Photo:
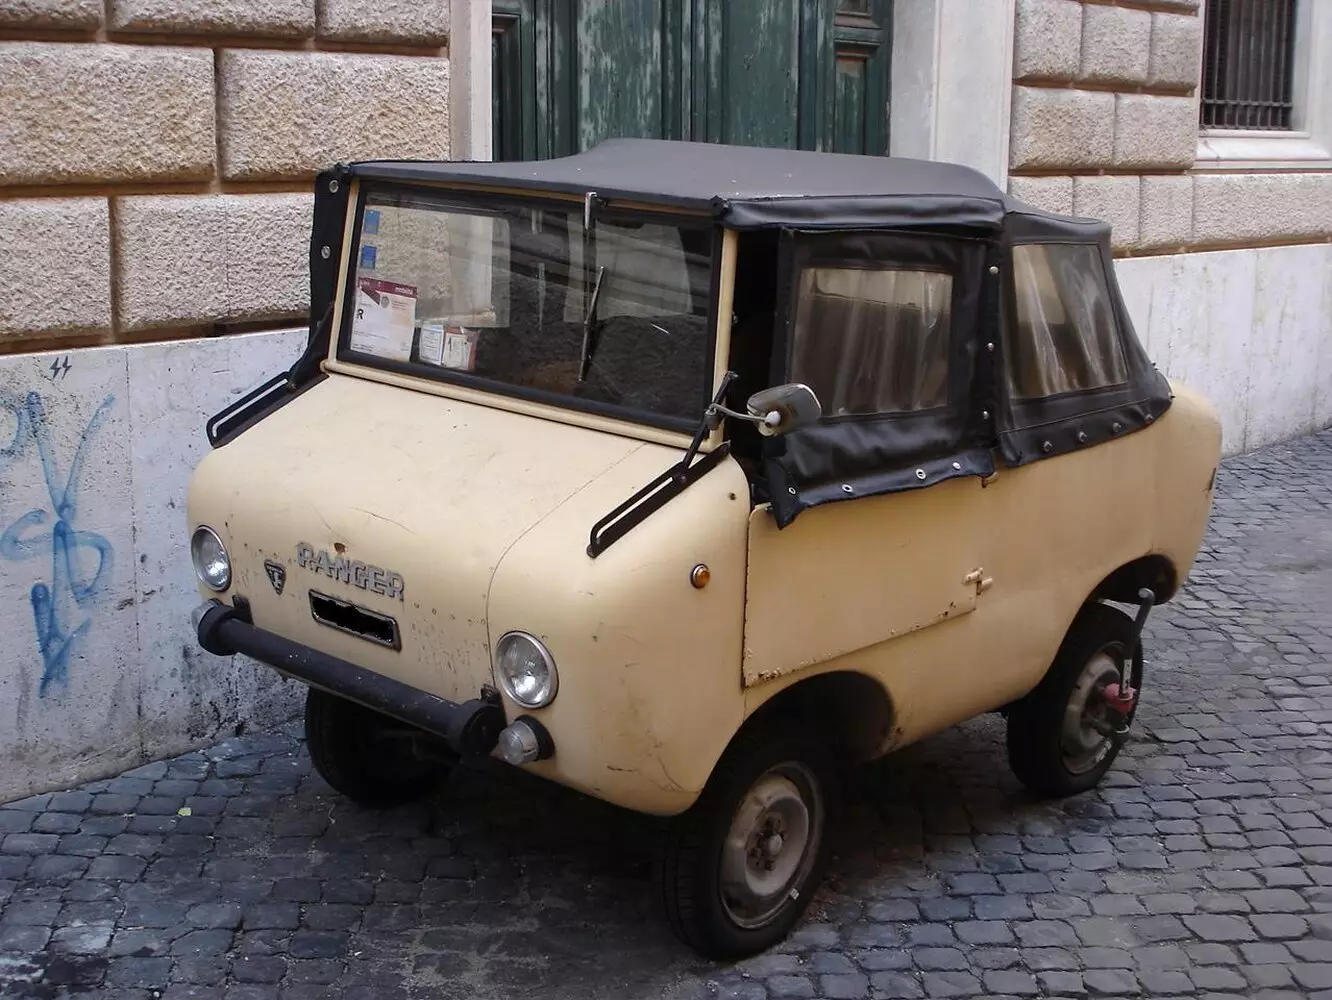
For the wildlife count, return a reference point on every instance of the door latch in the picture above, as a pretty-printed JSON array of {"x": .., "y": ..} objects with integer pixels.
[{"x": 979, "y": 580}]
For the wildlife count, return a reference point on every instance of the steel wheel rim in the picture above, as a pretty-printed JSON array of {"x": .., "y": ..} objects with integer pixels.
[
  {"x": 1082, "y": 739},
  {"x": 771, "y": 845}
]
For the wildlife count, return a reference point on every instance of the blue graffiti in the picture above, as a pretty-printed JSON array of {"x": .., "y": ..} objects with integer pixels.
[{"x": 24, "y": 540}]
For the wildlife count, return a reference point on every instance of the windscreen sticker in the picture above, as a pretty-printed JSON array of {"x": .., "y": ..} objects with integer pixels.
[
  {"x": 385, "y": 319},
  {"x": 448, "y": 346},
  {"x": 370, "y": 223},
  {"x": 460, "y": 348},
  {"x": 368, "y": 254},
  {"x": 432, "y": 343}
]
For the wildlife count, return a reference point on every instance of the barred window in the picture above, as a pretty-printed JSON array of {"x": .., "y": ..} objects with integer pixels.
[{"x": 1248, "y": 64}]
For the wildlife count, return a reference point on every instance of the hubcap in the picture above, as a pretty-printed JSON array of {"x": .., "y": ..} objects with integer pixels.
[
  {"x": 1085, "y": 738},
  {"x": 771, "y": 845}
]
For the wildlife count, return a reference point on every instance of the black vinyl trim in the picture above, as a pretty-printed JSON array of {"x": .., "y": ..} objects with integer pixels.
[
  {"x": 990, "y": 355},
  {"x": 855, "y": 455},
  {"x": 1033, "y": 429},
  {"x": 977, "y": 463},
  {"x": 860, "y": 212},
  {"x": 226, "y": 425},
  {"x": 326, "y": 231}
]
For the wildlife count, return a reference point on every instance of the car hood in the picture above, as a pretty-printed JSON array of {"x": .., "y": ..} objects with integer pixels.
[{"x": 401, "y": 502}]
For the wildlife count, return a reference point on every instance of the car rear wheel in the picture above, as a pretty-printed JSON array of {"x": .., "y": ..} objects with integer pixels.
[
  {"x": 1064, "y": 736},
  {"x": 740, "y": 867},
  {"x": 372, "y": 759}
]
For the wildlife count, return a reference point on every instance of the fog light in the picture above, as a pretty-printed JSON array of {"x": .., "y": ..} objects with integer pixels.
[{"x": 523, "y": 741}]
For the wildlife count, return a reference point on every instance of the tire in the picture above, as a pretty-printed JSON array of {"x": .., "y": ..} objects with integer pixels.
[
  {"x": 693, "y": 864},
  {"x": 1048, "y": 753},
  {"x": 366, "y": 756}
]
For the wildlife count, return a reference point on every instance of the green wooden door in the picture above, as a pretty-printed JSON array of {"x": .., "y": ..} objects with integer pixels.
[{"x": 811, "y": 74}]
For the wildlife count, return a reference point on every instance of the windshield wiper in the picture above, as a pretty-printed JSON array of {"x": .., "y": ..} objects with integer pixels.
[
  {"x": 589, "y": 324},
  {"x": 666, "y": 487}
]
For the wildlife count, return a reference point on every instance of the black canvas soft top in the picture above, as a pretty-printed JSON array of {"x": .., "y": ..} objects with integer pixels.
[
  {"x": 749, "y": 187},
  {"x": 1025, "y": 223},
  {"x": 833, "y": 206}
]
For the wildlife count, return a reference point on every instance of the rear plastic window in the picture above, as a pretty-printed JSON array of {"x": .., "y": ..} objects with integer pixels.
[{"x": 1065, "y": 338}]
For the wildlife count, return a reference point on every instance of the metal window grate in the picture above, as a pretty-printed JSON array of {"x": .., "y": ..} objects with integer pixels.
[{"x": 1248, "y": 64}]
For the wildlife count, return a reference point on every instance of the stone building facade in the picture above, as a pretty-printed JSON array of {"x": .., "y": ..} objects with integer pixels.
[
  {"x": 155, "y": 164},
  {"x": 155, "y": 155},
  {"x": 1105, "y": 122}
]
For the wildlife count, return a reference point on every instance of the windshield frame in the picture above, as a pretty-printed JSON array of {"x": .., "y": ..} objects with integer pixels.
[{"x": 483, "y": 203}]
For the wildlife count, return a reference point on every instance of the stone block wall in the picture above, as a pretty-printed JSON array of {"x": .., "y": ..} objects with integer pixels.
[
  {"x": 156, "y": 155},
  {"x": 156, "y": 159},
  {"x": 1105, "y": 123}
]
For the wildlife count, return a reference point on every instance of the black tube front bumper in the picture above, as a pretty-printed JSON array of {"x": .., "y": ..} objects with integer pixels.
[{"x": 471, "y": 728}]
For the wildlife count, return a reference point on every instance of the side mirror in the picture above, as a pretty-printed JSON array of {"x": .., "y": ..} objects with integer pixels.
[{"x": 784, "y": 408}]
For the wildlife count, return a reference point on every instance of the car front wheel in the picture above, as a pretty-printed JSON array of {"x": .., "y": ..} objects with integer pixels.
[
  {"x": 740, "y": 867},
  {"x": 372, "y": 759}
]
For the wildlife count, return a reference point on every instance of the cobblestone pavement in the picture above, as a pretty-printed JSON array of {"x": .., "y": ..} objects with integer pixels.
[{"x": 1203, "y": 866}]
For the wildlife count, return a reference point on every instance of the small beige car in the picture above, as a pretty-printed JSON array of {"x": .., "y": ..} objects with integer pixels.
[{"x": 685, "y": 474}]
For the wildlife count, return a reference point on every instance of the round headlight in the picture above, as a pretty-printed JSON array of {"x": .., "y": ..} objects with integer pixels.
[
  {"x": 211, "y": 561},
  {"x": 525, "y": 670}
]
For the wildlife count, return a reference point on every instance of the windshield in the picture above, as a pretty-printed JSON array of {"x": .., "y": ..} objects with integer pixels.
[{"x": 522, "y": 300}]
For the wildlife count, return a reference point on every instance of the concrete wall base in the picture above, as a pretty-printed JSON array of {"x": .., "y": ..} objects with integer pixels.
[
  {"x": 1251, "y": 329},
  {"x": 99, "y": 670}
]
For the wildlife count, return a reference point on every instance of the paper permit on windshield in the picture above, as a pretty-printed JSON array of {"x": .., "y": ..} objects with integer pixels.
[
  {"x": 385, "y": 319},
  {"x": 449, "y": 345}
]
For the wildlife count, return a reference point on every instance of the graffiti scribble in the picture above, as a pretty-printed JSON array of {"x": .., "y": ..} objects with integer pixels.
[{"x": 22, "y": 540}]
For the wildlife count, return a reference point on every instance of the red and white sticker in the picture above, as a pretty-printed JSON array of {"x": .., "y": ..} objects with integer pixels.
[{"x": 384, "y": 320}]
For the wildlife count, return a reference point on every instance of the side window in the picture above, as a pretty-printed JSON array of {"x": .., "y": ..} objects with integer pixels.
[
  {"x": 873, "y": 341},
  {"x": 1066, "y": 339}
]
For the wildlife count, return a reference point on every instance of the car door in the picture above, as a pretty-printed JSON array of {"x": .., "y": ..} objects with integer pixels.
[
  {"x": 847, "y": 576},
  {"x": 890, "y": 503}
]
